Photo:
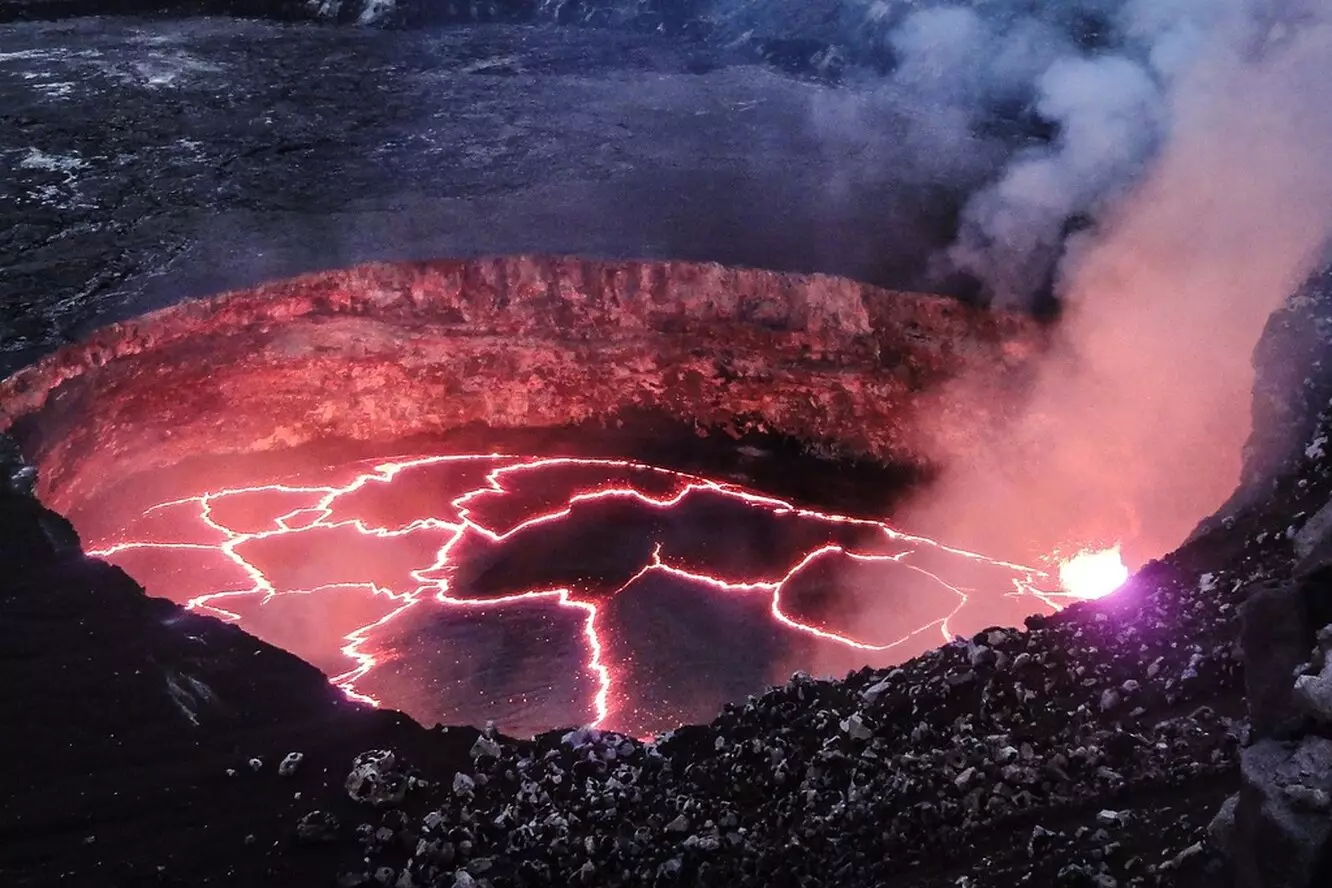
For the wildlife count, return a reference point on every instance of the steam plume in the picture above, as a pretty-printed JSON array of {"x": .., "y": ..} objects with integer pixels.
[{"x": 1196, "y": 164}]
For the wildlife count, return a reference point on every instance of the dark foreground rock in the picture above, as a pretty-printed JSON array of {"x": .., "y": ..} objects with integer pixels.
[
  {"x": 1280, "y": 824},
  {"x": 143, "y": 744}
]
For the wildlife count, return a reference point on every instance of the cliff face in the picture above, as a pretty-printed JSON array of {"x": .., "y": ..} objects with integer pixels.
[
  {"x": 1278, "y": 827},
  {"x": 382, "y": 352}
]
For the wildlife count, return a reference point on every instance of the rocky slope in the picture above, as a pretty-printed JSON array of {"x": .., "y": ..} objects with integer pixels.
[
  {"x": 381, "y": 353},
  {"x": 1280, "y": 824}
]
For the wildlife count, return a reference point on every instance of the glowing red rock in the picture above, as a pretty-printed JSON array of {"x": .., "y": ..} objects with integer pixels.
[{"x": 381, "y": 353}]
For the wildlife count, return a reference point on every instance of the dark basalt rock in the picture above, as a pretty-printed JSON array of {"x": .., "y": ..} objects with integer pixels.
[
  {"x": 35, "y": 536},
  {"x": 1275, "y": 637},
  {"x": 54, "y": 10},
  {"x": 1284, "y": 818},
  {"x": 132, "y": 729},
  {"x": 1281, "y": 819},
  {"x": 1286, "y": 455},
  {"x": 670, "y": 16}
]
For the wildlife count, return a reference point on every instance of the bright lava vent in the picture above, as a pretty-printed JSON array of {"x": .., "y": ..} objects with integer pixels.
[{"x": 1093, "y": 573}]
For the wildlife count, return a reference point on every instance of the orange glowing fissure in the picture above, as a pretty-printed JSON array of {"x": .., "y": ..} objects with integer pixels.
[{"x": 1082, "y": 578}]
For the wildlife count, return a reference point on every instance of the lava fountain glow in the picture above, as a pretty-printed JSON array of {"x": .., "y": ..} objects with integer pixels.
[
  {"x": 380, "y": 576},
  {"x": 1093, "y": 573}
]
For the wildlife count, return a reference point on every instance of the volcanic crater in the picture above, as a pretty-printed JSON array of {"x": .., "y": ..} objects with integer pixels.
[{"x": 541, "y": 491}]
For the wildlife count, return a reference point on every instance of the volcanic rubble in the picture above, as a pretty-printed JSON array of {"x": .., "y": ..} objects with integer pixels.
[
  {"x": 1090, "y": 749},
  {"x": 1095, "y": 747}
]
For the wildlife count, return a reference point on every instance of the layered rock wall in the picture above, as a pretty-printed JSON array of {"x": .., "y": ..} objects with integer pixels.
[{"x": 382, "y": 352}]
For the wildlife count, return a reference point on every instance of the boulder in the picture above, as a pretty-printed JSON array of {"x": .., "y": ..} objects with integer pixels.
[
  {"x": 1276, "y": 640},
  {"x": 377, "y": 779},
  {"x": 1282, "y": 840},
  {"x": 1221, "y": 831}
]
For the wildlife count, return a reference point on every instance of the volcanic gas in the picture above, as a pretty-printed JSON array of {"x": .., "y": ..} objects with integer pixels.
[{"x": 543, "y": 491}]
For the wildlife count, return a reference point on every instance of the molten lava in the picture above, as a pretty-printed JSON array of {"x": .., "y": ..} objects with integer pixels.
[
  {"x": 333, "y": 570},
  {"x": 1093, "y": 574}
]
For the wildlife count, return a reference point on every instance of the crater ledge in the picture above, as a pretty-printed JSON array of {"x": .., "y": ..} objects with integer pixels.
[{"x": 382, "y": 352}]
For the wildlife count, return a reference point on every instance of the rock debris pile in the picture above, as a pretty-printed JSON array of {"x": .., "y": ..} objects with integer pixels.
[{"x": 1087, "y": 750}]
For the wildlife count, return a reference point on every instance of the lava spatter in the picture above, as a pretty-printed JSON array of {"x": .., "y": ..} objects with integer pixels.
[{"x": 329, "y": 570}]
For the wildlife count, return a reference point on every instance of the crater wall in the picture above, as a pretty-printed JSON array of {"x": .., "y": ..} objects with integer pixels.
[{"x": 381, "y": 352}]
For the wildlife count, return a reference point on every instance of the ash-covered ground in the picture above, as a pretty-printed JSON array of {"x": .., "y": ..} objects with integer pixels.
[{"x": 149, "y": 161}]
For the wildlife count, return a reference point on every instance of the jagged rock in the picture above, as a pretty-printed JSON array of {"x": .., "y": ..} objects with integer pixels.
[
  {"x": 290, "y": 763},
  {"x": 1282, "y": 841},
  {"x": 15, "y": 473},
  {"x": 1314, "y": 534},
  {"x": 1314, "y": 694},
  {"x": 1110, "y": 818},
  {"x": 1221, "y": 830},
  {"x": 1038, "y": 841},
  {"x": 1183, "y": 857},
  {"x": 317, "y": 827},
  {"x": 1292, "y": 384},
  {"x": 872, "y": 693},
  {"x": 485, "y": 745},
  {"x": 375, "y": 779},
  {"x": 1276, "y": 640},
  {"x": 1307, "y": 797},
  {"x": 856, "y": 727},
  {"x": 979, "y": 655}
]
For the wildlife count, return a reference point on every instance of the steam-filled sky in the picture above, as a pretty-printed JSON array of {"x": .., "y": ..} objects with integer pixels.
[{"x": 1182, "y": 190}]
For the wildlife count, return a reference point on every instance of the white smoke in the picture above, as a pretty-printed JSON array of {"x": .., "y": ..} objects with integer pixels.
[
  {"x": 1110, "y": 117},
  {"x": 1198, "y": 155}
]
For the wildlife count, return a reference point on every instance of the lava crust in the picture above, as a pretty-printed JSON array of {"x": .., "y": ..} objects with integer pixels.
[{"x": 384, "y": 352}]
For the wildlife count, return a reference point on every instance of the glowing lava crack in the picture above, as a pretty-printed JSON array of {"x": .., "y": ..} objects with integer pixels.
[{"x": 449, "y": 530}]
